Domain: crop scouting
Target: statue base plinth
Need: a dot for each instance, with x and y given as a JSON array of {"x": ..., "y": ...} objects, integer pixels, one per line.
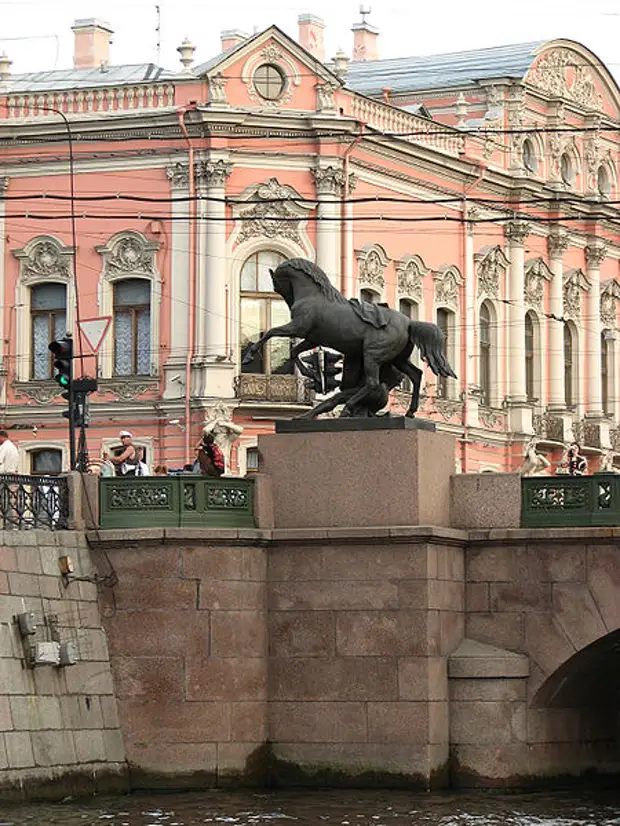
[
  {"x": 344, "y": 424},
  {"x": 362, "y": 476}
]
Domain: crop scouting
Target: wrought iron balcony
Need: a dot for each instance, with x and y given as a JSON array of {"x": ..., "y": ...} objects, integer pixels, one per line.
[
  {"x": 177, "y": 501},
  {"x": 570, "y": 501},
  {"x": 28, "y": 502},
  {"x": 285, "y": 389}
]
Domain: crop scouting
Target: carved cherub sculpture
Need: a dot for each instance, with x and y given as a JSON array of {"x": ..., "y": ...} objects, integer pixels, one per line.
[{"x": 534, "y": 464}]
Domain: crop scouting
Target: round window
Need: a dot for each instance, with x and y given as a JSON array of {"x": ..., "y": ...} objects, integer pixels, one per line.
[
  {"x": 603, "y": 181},
  {"x": 566, "y": 169},
  {"x": 269, "y": 81},
  {"x": 529, "y": 156}
]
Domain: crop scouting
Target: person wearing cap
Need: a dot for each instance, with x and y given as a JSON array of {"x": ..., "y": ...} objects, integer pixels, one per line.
[{"x": 126, "y": 460}]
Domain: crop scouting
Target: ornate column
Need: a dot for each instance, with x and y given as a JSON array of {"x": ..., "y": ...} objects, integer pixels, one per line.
[
  {"x": 520, "y": 412},
  {"x": 213, "y": 270},
  {"x": 178, "y": 176},
  {"x": 595, "y": 253},
  {"x": 469, "y": 343},
  {"x": 557, "y": 244},
  {"x": 329, "y": 182}
]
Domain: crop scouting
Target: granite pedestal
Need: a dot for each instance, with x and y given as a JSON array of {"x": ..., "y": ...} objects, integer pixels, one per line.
[{"x": 349, "y": 473}]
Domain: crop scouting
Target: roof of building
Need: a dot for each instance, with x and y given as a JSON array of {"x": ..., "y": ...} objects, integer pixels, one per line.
[
  {"x": 61, "y": 79},
  {"x": 406, "y": 74}
]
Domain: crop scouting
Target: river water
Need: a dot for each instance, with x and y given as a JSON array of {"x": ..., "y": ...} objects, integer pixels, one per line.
[{"x": 325, "y": 809}]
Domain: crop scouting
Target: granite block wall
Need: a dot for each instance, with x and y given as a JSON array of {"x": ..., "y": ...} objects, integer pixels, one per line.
[{"x": 59, "y": 728}]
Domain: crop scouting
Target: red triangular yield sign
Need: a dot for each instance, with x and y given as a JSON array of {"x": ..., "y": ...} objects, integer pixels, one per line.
[{"x": 94, "y": 330}]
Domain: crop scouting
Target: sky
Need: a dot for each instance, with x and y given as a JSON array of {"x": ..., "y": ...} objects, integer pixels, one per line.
[{"x": 36, "y": 34}]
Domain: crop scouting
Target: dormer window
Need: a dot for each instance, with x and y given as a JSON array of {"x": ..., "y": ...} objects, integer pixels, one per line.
[{"x": 269, "y": 81}]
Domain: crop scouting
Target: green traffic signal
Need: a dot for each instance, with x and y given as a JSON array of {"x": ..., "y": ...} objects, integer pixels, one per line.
[
  {"x": 63, "y": 360},
  {"x": 63, "y": 380}
]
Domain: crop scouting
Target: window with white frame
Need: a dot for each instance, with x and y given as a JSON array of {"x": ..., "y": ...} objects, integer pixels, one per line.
[
  {"x": 445, "y": 322},
  {"x": 132, "y": 327},
  {"x": 570, "y": 365},
  {"x": 530, "y": 356},
  {"x": 48, "y": 321},
  {"x": 607, "y": 372},
  {"x": 44, "y": 304},
  {"x": 485, "y": 346},
  {"x": 46, "y": 461},
  {"x": 262, "y": 308},
  {"x": 130, "y": 293}
]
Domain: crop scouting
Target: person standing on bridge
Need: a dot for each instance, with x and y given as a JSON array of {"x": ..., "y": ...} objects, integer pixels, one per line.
[
  {"x": 9, "y": 454},
  {"x": 577, "y": 464}
]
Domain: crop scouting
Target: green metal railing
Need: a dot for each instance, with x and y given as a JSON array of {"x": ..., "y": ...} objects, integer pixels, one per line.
[
  {"x": 570, "y": 501},
  {"x": 181, "y": 501}
]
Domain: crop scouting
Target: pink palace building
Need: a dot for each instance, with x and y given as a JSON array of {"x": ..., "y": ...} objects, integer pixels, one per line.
[{"x": 477, "y": 190}]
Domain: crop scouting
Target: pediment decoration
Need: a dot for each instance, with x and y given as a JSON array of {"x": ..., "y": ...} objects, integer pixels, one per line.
[
  {"x": 575, "y": 283},
  {"x": 536, "y": 273},
  {"x": 491, "y": 265},
  {"x": 410, "y": 271},
  {"x": 448, "y": 279},
  {"x": 273, "y": 54},
  {"x": 560, "y": 74},
  {"x": 217, "y": 89},
  {"x": 128, "y": 253},
  {"x": 275, "y": 213},
  {"x": 372, "y": 261},
  {"x": 44, "y": 259},
  {"x": 610, "y": 297}
]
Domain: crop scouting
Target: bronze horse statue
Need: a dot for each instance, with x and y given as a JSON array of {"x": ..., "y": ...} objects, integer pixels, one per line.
[{"x": 375, "y": 340}]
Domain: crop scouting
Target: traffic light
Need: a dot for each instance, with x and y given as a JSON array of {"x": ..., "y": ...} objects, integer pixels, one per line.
[
  {"x": 320, "y": 367},
  {"x": 63, "y": 362}
]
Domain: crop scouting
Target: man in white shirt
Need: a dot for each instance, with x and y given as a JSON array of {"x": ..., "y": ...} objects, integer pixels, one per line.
[{"x": 9, "y": 454}]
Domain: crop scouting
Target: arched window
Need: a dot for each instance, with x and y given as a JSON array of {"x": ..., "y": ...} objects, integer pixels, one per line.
[
  {"x": 484, "y": 338},
  {"x": 529, "y": 356},
  {"x": 132, "y": 327},
  {"x": 262, "y": 308},
  {"x": 444, "y": 322},
  {"x": 48, "y": 311},
  {"x": 46, "y": 461},
  {"x": 603, "y": 181},
  {"x": 410, "y": 309},
  {"x": 569, "y": 366},
  {"x": 529, "y": 156}
]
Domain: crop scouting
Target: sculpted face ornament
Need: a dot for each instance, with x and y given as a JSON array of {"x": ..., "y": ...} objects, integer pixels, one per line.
[{"x": 376, "y": 341}]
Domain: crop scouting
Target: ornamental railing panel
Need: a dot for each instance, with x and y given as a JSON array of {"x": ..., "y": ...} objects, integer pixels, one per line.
[
  {"x": 407, "y": 126},
  {"x": 28, "y": 502},
  {"x": 285, "y": 389},
  {"x": 570, "y": 501},
  {"x": 99, "y": 100},
  {"x": 183, "y": 500}
]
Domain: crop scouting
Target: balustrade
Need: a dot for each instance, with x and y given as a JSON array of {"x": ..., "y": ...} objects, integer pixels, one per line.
[
  {"x": 570, "y": 501},
  {"x": 87, "y": 101},
  {"x": 28, "y": 502}
]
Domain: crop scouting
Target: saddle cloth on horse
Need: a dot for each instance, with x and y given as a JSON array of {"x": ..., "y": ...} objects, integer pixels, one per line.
[{"x": 376, "y": 315}]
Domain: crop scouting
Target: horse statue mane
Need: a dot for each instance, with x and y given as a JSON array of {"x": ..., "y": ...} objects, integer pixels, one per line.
[{"x": 315, "y": 274}]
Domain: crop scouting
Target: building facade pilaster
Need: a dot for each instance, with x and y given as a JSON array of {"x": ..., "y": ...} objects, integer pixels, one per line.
[
  {"x": 520, "y": 411},
  {"x": 557, "y": 244},
  {"x": 595, "y": 253},
  {"x": 329, "y": 183},
  {"x": 470, "y": 379}
]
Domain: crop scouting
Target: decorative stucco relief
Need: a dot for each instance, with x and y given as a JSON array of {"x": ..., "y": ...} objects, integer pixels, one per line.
[
  {"x": 560, "y": 73},
  {"x": 491, "y": 265},
  {"x": 610, "y": 298},
  {"x": 536, "y": 273},
  {"x": 447, "y": 283},
  {"x": 44, "y": 259},
  {"x": 410, "y": 271},
  {"x": 129, "y": 253},
  {"x": 576, "y": 284},
  {"x": 372, "y": 261},
  {"x": 276, "y": 215}
]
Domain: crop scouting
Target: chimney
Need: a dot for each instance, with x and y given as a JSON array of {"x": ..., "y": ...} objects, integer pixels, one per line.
[
  {"x": 92, "y": 44},
  {"x": 5, "y": 67},
  {"x": 311, "y": 35},
  {"x": 231, "y": 38},
  {"x": 364, "y": 39}
]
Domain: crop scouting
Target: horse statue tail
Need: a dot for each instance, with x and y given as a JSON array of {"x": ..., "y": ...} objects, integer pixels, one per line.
[{"x": 429, "y": 340}]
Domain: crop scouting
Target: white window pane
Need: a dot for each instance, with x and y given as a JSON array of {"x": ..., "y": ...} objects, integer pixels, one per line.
[
  {"x": 144, "y": 343},
  {"x": 122, "y": 343}
]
